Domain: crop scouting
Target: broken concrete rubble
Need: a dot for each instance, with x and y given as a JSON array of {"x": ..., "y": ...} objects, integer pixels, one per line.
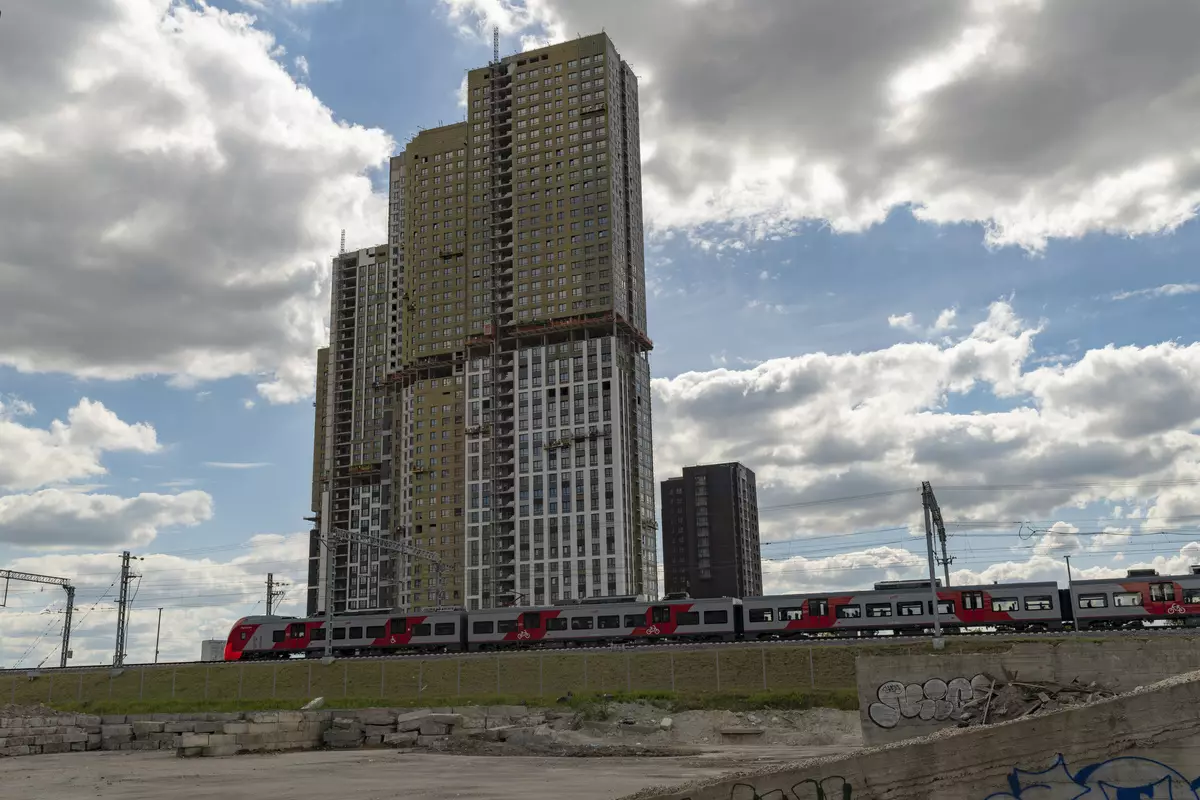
[{"x": 1006, "y": 699}]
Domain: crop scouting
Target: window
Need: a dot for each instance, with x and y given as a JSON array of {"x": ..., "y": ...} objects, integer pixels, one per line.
[
  {"x": 973, "y": 601},
  {"x": 818, "y": 607},
  {"x": 356, "y": 632},
  {"x": 277, "y": 636},
  {"x": 375, "y": 631},
  {"x": 506, "y": 625},
  {"x": 660, "y": 614},
  {"x": 1040, "y": 603},
  {"x": 581, "y": 623},
  {"x": 762, "y": 615},
  {"x": 318, "y": 635},
  {"x": 531, "y": 620},
  {"x": 424, "y": 629},
  {"x": 556, "y": 624},
  {"x": 1127, "y": 598},
  {"x": 1093, "y": 601},
  {"x": 400, "y": 624},
  {"x": 339, "y": 633},
  {"x": 789, "y": 614},
  {"x": 609, "y": 621},
  {"x": 443, "y": 629},
  {"x": 879, "y": 609},
  {"x": 296, "y": 630},
  {"x": 911, "y": 608},
  {"x": 1000, "y": 603},
  {"x": 849, "y": 611},
  {"x": 481, "y": 627},
  {"x": 944, "y": 607},
  {"x": 1191, "y": 596},
  {"x": 687, "y": 618},
  {"x": 720, "y": 617},
  {"x": 1162, "y": 592}
]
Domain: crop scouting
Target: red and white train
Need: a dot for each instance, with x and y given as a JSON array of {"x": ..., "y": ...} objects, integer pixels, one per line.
[{"x": 899, "y": 607}]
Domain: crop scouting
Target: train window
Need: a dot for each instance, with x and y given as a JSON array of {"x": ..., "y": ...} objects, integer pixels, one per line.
[
  {"x": 318, "y": 635},
  {"x": 356, "y": 632},
  {"x": 481, "y": 626},
  {"x": 277, "y": 636},
  {"x": 974, "y": 601},
  {"x": 374, "y": 631},
  {"x": 609, "y": 621},
  {"x": 687, "y": 618},
  {"x": 1127, "y": 598},
  {"x": 1162, "y": 592},
  {"x": 1001, "y": 604},
  {"x": 789, "y": 614},
  {"x": 660, "y": 614},
  {"x": 506, "y": 626},
  {"x": 339, "y": 633},
  {"x": 879, "y": 609},
  {"x": 443, "y": 629},
  {"x": 720, "y": 617},
  {"x": 818, "y": 607},
  {"x": 399, "y": 624},
  {"x": 532, "y": 620},
  {"x": 424, "y": 629},
  {"x": 581, "y": 623},
  {"x": 912, "y": 608},
  {"x": 296, "y": 631},
  {"x": 1093, "y": 601},
  {"x": 556, "y": 624},
  {"x": 635, "y": 620},
  {"x": 944, "y": 607},
  {"x": 849, "y": 612},
  {"x": 762, "y": 615},
  {"x": 1191, "y": 595},
  {"x": 1040, "y": 603}
]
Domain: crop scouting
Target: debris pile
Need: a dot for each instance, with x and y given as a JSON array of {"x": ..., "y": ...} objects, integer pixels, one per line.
[{"x": 1012, "y": 699}]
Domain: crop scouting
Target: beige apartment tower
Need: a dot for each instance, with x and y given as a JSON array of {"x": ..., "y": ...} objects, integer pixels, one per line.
[{"x": 519, "y": 380}]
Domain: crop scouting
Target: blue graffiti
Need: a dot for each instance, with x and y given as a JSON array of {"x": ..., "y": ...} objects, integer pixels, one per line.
[{"x": 1122, "y": 778}]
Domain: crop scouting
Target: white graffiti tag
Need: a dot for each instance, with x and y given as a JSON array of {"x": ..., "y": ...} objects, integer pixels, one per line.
[{"x": 933, "y": 700}]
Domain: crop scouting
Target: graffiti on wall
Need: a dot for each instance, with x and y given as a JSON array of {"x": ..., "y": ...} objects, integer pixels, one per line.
[
  {"x": 1122, "y": 778},
  {"x": 934, "y": 700},
  {"x": 835, "y": 787}
]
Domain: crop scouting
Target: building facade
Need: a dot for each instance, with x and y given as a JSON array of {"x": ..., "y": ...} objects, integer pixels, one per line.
[
  {"x": 710, "y": 532},
  {"x": 518, "y": 380}
]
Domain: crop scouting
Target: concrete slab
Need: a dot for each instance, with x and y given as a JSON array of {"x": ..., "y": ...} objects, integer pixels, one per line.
[{"x": 377, "y": 773}]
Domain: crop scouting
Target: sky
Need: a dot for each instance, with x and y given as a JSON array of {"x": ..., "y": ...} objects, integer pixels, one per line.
[{"x": 929, "y": 241}]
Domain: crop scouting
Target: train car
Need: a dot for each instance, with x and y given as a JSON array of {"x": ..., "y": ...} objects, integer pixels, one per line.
[
  {"x": 357, "y": 634},
  {"x": 627, "y": 620},
  {"x": 903, "y": 607},
  {"x": 1141, "y": 596}
]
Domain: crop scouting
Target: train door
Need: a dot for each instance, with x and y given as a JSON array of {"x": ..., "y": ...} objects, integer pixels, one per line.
[
  {"x": 531, "y": 626},
  {"x": 818, "y": 610}
]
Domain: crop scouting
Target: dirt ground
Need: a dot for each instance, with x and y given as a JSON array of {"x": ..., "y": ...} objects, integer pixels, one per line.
[{"x": 363, "y": 775}]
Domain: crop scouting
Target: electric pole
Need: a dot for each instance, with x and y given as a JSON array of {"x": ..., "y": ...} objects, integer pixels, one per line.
[
  {"x": 127, "y": 577},
  {"x": 926, "y": 502},
  {"x": 275, "y": 593},
  {"x": 935, "y": 513},
  {"x": 157, "y": 631}
]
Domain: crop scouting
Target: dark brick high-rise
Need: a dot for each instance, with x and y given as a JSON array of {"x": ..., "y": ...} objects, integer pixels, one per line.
[{"x": 710, "y": 532}]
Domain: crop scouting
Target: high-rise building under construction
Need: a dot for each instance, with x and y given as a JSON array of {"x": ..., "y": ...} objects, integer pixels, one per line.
[{"x": 519, "y": 383}]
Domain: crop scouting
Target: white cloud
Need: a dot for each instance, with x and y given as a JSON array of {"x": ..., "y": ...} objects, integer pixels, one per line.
[
  {"x": 903, "y": 321},
  {"x": 65, "y": 451},
  {"x": 237, "y": 464},
  {"x": 1037, "y": 119},
  {"x": 193, "y": 191},
  {"x": 201, "y": 595},
  {"x": 945, "y": 321},
  {"x": 301, "y": 65},
  {"x": 1166, "y": 290},
  {"x": 56, "y": 517},
  {"x": 248, "y": 404}
]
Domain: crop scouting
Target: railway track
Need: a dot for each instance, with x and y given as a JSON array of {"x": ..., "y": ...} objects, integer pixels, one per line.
[{"x": 831, "y": 641}]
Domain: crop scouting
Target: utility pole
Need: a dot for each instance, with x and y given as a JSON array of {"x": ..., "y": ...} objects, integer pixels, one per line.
[
  {"x": 327, "y": 542},
  {"x": 935, "y": 512},
  {"x": 127, "y": 577},
  {"x": 157, "y": 631},
  {"x": 926, "y": 498},
  {"x": 9, "y": 575},
  {"x": 1070, "y": 580},
  {"x": 275, "y": 593}
]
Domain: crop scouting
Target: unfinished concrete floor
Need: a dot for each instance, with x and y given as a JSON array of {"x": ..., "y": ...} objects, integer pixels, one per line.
[{"x": 365, "y": 775}]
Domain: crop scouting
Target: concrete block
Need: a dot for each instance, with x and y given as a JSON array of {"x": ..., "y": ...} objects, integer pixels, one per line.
[
  {"x": 378, "y": 730},
  {"x": 235, "y": 728},
  {"x": 78, "y": 747},
  {"x": 337, "y": 737},
  {"x": 291, "y": 716},
  {"x": 75, "y": 736},
  {"x": 251, "y": 742},
  {"x": 430, "y": 741},
  {"x": 412, "y": 720},
  {"x": 472, "y": 724},
  {"x": 346, "y": 723},
  {"x": 445, "y": 719},
  {"x": 146, "y": 728},
  {"x": 179, "y": 727},
  {"x": 56, "y": 747},
  {"x": 445, "y": 710},
  {"x": 112, "y": 719},
  {"x": 507, "y": 711},
  {"x": 190, "y": 752},
  {"x": 221, "y": 750},
  {"x": 17, "y": 750},
  {"x": 372, "y": 741},
  {"x": 470, "y": 711},
  {"x": 262, "y": 716},
  {"x": 498, "y": 722},
  {"x": 221, "y": 739},
  {"x": 116, "y": 729},
  {"x": 376, "y": 716},
  {"x": 138, "y": 717},
  {"x": 260, "y": 727},
  {"x": 187, "y": 740},
  {"x": 86, "y": 720},
  {"x": 166, "y": 717},
  {"x": 209, "y": 727},
  {"x": 434, "y": 729},
  {"x": 400, "y": 739},
  {"x": 114, "y": 742},
  {"x": 93, "y": 741}
]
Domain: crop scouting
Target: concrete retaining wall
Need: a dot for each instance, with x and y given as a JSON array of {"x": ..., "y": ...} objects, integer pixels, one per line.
[
  {"x": 1140, "y": 745},
  {"x": 912, "y": 695}
]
